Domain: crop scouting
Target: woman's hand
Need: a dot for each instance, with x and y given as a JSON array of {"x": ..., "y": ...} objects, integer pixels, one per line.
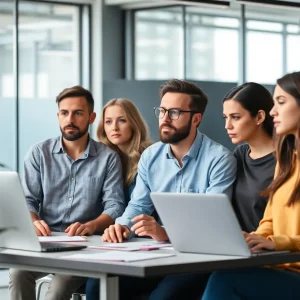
[{"x": 257, "y": 242}]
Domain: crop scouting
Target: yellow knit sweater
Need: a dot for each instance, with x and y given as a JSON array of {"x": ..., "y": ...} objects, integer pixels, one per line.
[{"x": 281, "y": 223}]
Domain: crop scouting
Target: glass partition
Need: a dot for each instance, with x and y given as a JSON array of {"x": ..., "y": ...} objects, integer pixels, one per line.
[
  {"x": 49, "y": 63},
  {"x": 7, "y": 87},
  {"x": 212, "y": 47},
  {"x": 159, "y": 50},
  {"x": 272, "y": 43},
  {"x": 210, "y": 44},
  {"x": 46, "y": 60}
]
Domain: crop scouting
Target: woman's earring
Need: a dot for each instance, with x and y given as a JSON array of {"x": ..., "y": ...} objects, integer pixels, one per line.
[{"x": 258, "y": 123}]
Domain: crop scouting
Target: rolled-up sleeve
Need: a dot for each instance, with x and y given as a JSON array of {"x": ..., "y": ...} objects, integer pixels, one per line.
[
  {"x": 31, "y": 180},
  {"x": 113, "y": 196},
  {"x": 222, "y": 176}
]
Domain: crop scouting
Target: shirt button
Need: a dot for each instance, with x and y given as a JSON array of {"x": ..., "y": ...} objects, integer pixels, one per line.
[
  {"x": 179, "y": 173},
  {"x": 72, "y": 178},
  {"x": 70, "y": 198}
]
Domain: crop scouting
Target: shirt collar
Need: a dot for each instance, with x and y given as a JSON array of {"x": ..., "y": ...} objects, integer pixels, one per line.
[
  {"x": 58, "y": 148},
  {"x": 169, "y": 154},
  {"x": 194, "y": 150},
  {"x": 91, "y": 148}
]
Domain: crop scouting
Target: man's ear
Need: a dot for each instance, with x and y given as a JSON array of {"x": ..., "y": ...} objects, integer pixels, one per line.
[
  {"x": 92, "y": 117},
  {"x": 197, "y": 119}
]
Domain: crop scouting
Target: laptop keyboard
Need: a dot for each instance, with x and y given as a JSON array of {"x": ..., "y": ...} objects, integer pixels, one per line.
[
  {"x": 267, "y": 252},
  {"x": 56, "y": 247}
]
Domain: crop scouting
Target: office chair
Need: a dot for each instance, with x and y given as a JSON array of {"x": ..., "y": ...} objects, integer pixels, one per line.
[{"x": 39, "y": 284}]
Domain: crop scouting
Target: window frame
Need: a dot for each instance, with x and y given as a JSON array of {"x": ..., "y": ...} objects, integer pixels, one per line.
[
  {"x": 84, "y": 63},
  {"x": 243, "y": 31}
]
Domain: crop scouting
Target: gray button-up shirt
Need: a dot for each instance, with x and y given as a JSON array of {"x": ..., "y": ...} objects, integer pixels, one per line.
[{"x": 62, "y": 191}]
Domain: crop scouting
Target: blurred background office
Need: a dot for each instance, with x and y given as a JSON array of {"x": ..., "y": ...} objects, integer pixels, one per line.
[{"x": 127, "y": 48}]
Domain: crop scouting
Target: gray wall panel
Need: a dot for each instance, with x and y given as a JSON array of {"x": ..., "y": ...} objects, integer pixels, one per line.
[{"x": 113, "y": 43}]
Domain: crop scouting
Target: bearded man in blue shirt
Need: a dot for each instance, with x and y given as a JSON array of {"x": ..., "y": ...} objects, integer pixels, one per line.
[
  {"x": 185, "y": 160},
  {"x": 72, "y": 184}
]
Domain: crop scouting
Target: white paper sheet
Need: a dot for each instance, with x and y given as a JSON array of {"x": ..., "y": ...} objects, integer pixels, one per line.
[
  {"x": 116, "y": 256},
  {"x": 61, "y": 238},
  {"x": 169, "y": 248},
  {"x": 132, "y": 246}
]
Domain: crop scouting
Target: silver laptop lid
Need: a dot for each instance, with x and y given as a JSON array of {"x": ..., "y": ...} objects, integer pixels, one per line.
[
  {"x": 15, "y": 218},
  {"x": 201, "y": 223}
]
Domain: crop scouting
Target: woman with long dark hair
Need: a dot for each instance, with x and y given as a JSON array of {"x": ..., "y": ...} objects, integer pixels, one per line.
[
  {"x": 246, "y": 109},
  {"x": 280, "y": 226}
]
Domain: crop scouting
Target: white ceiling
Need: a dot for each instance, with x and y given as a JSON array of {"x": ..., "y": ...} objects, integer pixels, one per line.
[{"x": 254, "y": 11}]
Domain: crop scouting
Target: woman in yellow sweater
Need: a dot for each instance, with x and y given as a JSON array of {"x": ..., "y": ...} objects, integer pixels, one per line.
[{"x": 280, "y": 227}]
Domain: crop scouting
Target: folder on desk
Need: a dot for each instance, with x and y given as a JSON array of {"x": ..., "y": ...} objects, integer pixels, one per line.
[{"x": 132, "y": 246}]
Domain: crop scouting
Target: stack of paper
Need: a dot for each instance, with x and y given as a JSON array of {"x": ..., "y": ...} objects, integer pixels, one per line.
[
  {"x": 132, "y": 246},
  {"x": 116, "y": 256}
]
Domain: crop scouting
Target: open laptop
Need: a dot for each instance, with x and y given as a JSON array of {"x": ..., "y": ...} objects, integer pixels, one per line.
[
  {"x": 202, "y": 223},
  {"x": 16, "y": 227}
]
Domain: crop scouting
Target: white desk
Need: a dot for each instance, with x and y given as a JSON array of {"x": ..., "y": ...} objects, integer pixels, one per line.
[{"x": 181, "y": 263}]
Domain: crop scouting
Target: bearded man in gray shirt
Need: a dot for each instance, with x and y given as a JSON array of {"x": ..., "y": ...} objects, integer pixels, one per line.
[{"x": 72, "y": 184}]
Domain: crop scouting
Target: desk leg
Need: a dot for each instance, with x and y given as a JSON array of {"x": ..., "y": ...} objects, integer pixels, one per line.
[{"x": 109, "y": 287}]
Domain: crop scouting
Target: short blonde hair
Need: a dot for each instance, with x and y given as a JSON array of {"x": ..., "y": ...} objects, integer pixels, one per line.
[{"x": 139, "y": 140}]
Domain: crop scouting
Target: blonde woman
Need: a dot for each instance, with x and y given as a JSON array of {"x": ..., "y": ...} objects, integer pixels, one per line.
[{"x": 123, "y": 129}]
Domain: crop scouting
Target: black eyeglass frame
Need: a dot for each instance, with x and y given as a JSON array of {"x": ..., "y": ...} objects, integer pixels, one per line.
[{"x": 173, "y": 109}]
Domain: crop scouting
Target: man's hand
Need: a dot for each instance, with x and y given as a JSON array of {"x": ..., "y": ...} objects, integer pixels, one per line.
[
  {"x": 81, "y": 229},
  {"x": 146, "y": 225},
  {"x": 257, "y": 242},
  {"x": 115, "y": 233},
  {"x": 41, "y": 228}
]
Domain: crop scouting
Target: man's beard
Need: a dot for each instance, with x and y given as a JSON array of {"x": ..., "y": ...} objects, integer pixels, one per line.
[
  {"x": 178, "y": 135},
  {"x": 75, "y": 136}
]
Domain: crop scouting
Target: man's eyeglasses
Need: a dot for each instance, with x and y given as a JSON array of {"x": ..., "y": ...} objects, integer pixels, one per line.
[{"x": 173, "y": 113}]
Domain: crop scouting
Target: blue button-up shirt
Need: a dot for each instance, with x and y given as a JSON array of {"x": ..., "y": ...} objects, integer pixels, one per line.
[
  {"x": 62, "y": 191},
  {"x": 208, "y": 167}
]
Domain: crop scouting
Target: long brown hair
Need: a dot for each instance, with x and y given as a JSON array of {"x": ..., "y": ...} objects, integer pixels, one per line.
[
  {"x": 287, "y": 144},
  {"x": 139, "y": 140}
]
